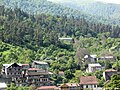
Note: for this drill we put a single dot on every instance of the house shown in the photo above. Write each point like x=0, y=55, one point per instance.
x=107, y=57
x=3, y=86
x=108, y=73
x=40, y=65
x=13, y=71
x=88, y=82
x=70, y=86
x=93, y=67
x=90, y=58
x=38, y=77
x=48, y=88
x=24, y=75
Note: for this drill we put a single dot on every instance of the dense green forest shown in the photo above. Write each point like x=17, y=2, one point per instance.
x=108, y=11
x=25, y=37
x=90, y=10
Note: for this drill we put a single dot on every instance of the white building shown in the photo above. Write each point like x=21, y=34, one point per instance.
x=93, y=67
x=3, y=86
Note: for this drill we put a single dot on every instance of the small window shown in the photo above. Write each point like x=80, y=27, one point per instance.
x=86, y=86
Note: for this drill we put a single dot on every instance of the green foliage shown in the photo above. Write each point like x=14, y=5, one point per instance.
x=68, y=74
x=77, y=75
x=114, y=83
x=104, y=12
x=116, y=65
x=13, y=87
x=93, y=11
x=9, y=54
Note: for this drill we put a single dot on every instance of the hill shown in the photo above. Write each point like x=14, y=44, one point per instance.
x=25, y=37
x=73, y=8
x=108, y=11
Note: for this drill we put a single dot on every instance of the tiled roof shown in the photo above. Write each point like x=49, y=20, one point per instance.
x=110, y=70
x=86, y=80
x=46, y=87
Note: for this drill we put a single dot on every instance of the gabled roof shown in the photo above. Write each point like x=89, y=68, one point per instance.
x=88, y=80
x=8, y=65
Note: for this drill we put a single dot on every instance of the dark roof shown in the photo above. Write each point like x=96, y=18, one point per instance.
x=86, y=80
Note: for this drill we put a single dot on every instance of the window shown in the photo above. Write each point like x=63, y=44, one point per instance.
x=86, y=86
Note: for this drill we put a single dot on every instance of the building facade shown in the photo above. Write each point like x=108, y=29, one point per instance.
x=94, y=67
x=88, y=82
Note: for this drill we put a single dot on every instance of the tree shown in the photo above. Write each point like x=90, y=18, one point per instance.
x=68, y=74
x=80, y=53
x=114, y=83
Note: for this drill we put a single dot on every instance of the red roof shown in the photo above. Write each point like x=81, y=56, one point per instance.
x=33, y=69
x=86, y=80
x=46, y=87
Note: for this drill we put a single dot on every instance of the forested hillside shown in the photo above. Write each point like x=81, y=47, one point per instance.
x=25, y=37
x=76, y=9
x=32, y=32
x=41, y=6
x=108, y=11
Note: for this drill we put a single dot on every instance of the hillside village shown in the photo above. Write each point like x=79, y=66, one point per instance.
x=37, y=74
x=49, y=46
